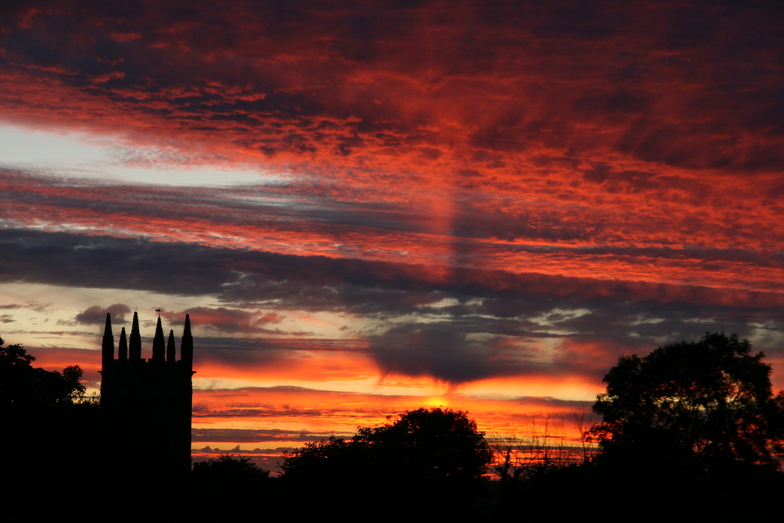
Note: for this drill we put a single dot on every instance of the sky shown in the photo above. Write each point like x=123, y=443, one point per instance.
x=370, y=207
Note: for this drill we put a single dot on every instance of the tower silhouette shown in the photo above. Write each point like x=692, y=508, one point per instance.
x=147, y=403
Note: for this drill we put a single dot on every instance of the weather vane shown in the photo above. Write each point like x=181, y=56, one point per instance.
x=159, y=312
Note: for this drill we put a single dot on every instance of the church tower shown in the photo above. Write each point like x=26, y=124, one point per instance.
x=147, y=403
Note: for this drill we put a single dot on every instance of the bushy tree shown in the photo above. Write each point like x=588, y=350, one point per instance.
x=23, y=386
x=434, y=445
x=227, y=471
x=48, y=434
x=334, y=460
x=229, y=488
x=429, y=445
x=424, y=462
x=704, y=406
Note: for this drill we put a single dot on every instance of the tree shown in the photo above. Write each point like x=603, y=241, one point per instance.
x=41, y=411
x=229, y=467
x=228, y=488
x=229, y=472
x=334, y=460
x=706, y=407
x=429, y=445
x=433, y=459
x=23, y=386
x=434, y=445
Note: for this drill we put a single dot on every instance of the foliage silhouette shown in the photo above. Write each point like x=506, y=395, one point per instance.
x=227, y=470
x=429, y=458
x=705, y=407
x=432, y=445
x=23, y=386
x=435, y=445
x=45, y=420
x=220, y=488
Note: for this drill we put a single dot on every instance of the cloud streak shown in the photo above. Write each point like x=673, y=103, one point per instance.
x=96, y=315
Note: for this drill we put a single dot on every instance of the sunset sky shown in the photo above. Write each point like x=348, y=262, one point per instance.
x=368, y=207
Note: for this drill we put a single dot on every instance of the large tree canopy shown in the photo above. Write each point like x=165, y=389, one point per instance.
x=705, y=405
x=436, y=444
x=425, y=460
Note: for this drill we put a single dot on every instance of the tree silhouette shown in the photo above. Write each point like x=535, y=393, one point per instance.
x=227, y=471
x=221, y=489
x=704, y=407
x=46, y=433
x=433, y=445
x=433, y=459
x=23, y=386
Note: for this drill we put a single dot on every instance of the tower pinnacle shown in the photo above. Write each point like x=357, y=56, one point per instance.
x=135, y=343
x=186, y=348
x=123, y=353
x=170, y=348
x=158, y=344
x=107, y=346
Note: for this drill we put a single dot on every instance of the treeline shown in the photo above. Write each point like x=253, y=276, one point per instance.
x=45, y=421
x=690, y=431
